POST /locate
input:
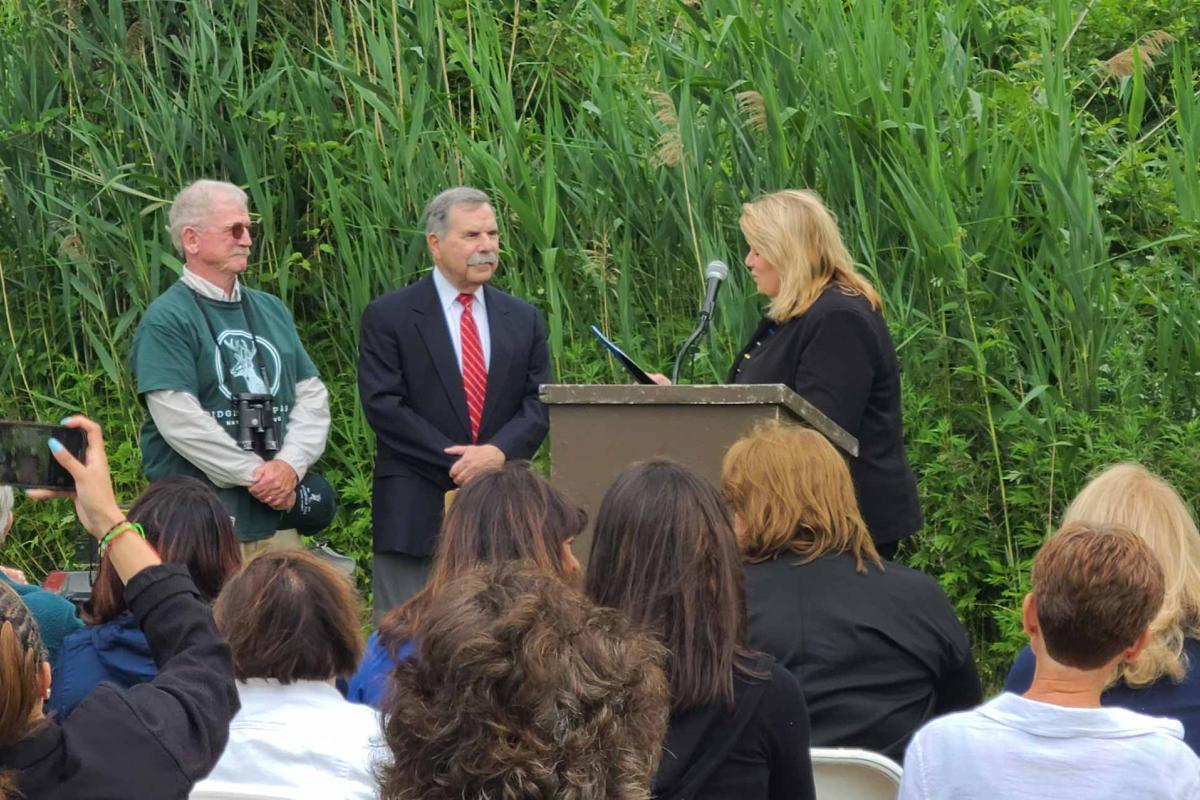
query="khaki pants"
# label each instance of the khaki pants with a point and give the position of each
(288, 539)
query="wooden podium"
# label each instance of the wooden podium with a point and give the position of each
(596, 431)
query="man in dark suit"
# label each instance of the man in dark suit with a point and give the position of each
(448, 372)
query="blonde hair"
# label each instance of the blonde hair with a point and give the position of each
(790, 490)
(797, 234)
(1131, 495)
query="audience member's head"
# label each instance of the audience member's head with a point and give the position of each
(1130, 495)
(508, 514)
(291, 616)
(186, 523)
(789, 489)
(522, 688)
(1095, 589)
(664, 552)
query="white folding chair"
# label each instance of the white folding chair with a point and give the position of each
(213, 791)
(846, 773)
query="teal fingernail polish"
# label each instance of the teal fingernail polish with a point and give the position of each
(64, 420)
(55, 444)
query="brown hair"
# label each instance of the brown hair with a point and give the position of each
(790, 490)
(508, 514)
(798, 236)
(1131, 495)
(290, 616)
(187, 524)
(664, 552)
(520, 687)
(1096, 587)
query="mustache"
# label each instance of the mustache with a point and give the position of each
(482, 258)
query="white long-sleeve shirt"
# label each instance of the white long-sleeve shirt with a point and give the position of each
(195, 435)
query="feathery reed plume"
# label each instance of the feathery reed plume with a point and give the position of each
(596, 259)
(135, 40)
(670, 144)
(753, 108)
(72, 246)
(1148, 47)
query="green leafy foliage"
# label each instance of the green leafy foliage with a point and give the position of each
(1026, 198)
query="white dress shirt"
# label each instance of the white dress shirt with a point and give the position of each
(302, 740)
(190, 431)
(453, 311)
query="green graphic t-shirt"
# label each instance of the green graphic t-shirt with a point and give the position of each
(174, 350)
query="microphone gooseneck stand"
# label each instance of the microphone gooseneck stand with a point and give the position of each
(714, 275)
(695, 335)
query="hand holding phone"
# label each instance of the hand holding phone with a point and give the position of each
(26, 461)
(95, 500)
(92, 489)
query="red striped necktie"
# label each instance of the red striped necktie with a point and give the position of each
(474, 370)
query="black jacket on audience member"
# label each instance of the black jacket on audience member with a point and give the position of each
(877, 654)
(838, 355)
(156, 739)
(756, 751)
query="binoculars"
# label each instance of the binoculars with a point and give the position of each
(255, 414)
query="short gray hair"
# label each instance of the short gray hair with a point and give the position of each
(438, 210)
(192, 205)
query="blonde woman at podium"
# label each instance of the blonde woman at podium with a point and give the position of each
(824, 336)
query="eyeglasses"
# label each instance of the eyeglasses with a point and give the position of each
(237, 229)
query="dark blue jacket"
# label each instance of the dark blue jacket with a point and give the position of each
(116, 652)
(369, 684)
(1163, 698)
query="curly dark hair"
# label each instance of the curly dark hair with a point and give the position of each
(522, 688)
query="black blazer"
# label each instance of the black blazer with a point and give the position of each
(412, 392)
(838, 355)
(877, 654)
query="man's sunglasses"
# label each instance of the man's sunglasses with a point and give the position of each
(238, 228)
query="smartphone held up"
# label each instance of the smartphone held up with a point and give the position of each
(25, 458)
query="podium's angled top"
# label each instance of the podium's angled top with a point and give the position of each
(716, 395)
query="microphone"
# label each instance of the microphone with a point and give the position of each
(714, 274)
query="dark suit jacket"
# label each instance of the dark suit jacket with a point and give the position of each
(412, 392)
(838, 355)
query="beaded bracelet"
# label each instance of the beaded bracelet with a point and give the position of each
(122, 527)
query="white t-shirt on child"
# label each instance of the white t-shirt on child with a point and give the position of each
(1020, 749)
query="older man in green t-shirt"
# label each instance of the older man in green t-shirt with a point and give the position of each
(207, 342)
